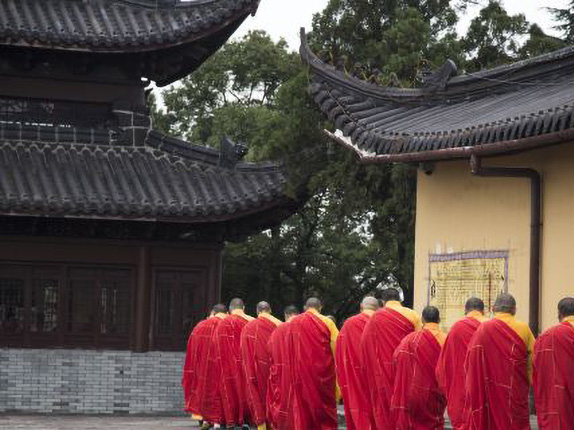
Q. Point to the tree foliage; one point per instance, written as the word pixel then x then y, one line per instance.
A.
pixel 356 226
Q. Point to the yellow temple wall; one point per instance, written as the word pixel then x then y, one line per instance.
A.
pixel 467 222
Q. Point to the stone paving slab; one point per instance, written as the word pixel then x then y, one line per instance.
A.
pixel 78 422
pixel 69 422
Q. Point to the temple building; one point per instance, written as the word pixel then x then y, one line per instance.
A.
pixel 495 198
pixel 111 232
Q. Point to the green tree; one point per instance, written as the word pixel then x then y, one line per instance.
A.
pixel 355 226
pixel 564 18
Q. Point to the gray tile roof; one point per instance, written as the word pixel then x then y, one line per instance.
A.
pixel 513 107
pixel 79 174
pixel 160 40
pixel 114 25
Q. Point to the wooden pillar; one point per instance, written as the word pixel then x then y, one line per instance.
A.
pixel 143 301
pixel 217 276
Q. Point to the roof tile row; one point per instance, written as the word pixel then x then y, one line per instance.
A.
pixel 107 181
pixel 106 25
pixel 511 103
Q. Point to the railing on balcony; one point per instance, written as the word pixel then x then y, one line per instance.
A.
pixel 29 111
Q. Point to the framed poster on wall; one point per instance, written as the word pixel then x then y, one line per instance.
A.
pixel 455 277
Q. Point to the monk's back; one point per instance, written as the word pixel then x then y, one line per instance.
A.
pixel 554 377
pixel 209 387
pixel 417 402
pixel 196 362
pixel 497 384
pixel 381 337
pixel 450 369
pixel 228 338
pixel 351 373
pixel 256 361
pixel 314 373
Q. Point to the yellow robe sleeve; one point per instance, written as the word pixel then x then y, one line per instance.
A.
pixel 523 331
pixel 529 341
pixel 334 335
pixel 417 321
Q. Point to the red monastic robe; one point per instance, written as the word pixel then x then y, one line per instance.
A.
pixel 554 378
pixel 315 404
pixel 450 369
pixel 195 363
pixel 350 373
pixel 280 390
pixel 256 363
pixel 417 402
pixel 381 337
pixel 208 393
pixel 497 379
pixel 233 392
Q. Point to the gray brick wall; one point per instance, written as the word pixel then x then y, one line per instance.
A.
pixel 90 382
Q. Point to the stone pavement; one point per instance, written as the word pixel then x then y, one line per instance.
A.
pixel 79 422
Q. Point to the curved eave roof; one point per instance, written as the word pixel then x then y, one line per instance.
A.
pixel 169 41
pixel 75 174
pixel 509 108
pixel 114 26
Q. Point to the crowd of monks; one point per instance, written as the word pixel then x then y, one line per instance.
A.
pixel 392 369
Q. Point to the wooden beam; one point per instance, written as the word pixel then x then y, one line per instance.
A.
pixel 143 297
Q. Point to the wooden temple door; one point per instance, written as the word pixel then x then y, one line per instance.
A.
pixel 179 304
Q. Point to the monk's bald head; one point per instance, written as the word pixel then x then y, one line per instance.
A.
pixel 314 303
pixel 263 307
pixel 505 303
pixel 219 308
pixel 474 304
pixel 431 314
pixel 566 308
pixel 290 312
pixel 369 304
pixel 391 295
pixel 236 304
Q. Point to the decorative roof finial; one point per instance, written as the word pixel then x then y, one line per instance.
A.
pixel 231 153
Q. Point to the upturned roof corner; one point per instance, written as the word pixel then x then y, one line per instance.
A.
pixel 513 107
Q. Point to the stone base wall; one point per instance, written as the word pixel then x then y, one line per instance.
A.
pixel 90 382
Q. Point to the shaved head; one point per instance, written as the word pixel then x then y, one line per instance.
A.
pixel 236 304
pixel 391 295
pixel 474 304
pixel 314 303
pixel 219 308
pixel 263 307
pixel 369 304
pixel 431 315
pixel 566 307
pixel 290 312
pixel 505 303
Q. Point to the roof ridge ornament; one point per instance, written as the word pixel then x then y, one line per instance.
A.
pixel 438 80
pixel 230 153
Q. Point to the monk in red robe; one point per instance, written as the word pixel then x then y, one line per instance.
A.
pixel 233 390
pixel 312 340
pixel 280 389
pixel 554 372
pixel 498 371
pixel 381 337
pixel 450 369
pixel 208 392
pixel 351 375
pixel 256 361
pixel 417 402
pixel 194 381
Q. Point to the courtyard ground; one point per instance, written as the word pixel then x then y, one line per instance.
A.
pixel 70 422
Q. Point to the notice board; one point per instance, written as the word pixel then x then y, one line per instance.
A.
pixel 455 277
